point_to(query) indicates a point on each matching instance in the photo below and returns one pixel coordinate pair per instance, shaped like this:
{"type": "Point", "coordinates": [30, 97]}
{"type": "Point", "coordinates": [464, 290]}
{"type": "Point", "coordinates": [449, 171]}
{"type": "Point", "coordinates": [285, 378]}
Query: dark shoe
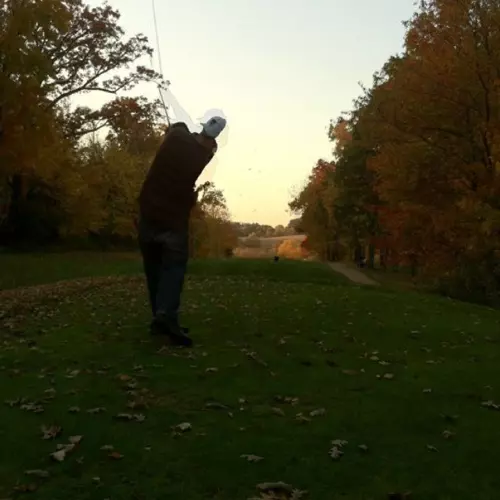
{"type": "Point", "coordinates": [176, 334]}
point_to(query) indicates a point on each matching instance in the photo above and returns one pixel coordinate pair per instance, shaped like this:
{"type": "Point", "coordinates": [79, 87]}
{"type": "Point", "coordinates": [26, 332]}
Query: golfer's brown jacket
{"type": "Point", "coordinates": [168, 193]}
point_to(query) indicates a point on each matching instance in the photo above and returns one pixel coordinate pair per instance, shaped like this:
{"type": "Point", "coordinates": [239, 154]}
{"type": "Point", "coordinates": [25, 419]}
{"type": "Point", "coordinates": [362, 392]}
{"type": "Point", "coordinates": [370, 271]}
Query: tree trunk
{"type": "Point", "coordinates": [383, 258]}
{"type": "Point", "coordinates": [18, 192]}
{"type": "Point", "coordinates": [371, 256]}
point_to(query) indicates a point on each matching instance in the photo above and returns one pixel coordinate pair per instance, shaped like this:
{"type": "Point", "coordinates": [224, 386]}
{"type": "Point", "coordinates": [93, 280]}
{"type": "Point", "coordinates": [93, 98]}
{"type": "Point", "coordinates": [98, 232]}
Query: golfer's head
{"type": "Point", "coordinates": [213, 127]}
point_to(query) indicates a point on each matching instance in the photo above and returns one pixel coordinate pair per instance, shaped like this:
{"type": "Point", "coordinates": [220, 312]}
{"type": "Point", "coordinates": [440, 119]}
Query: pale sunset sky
{"type": "Point", "coordinates": [280, 70]}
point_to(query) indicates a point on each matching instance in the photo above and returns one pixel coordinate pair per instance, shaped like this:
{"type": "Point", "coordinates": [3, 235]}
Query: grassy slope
{"type": "Point", "coordinates": [315, 336]}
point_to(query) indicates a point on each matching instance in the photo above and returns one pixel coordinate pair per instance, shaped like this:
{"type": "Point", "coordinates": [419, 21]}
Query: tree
{"type": "Point", "coordinates": [49, 52]}
{"type": "Point", "coordinates": [315, 204]}
{"type": "Point", "coordinates": [212, 234]}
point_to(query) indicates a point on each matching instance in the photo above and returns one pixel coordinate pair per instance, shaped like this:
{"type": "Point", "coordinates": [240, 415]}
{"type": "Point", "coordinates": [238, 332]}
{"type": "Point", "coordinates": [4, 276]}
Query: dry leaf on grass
{"type": "Point", "coordinates": [279, 491]}
{"type": "Point", "coordinates": [430, 447]}
{"type": "Point", "coordinates": [252, 458]}
{"type": "Point", "coordinates": [181, 428]}
{"type": "Point", "coordinates": [115, 455]}
{"type": "Point", "coordinates": [33, 407]}
{"type": "Point", "coordinates": [138, 417]}
{"type": "Point", "coordinates": [95, 411]}
{"type": "Point", "coordinates": [51, 432]}
{"type": "Point", "coordinates": [389, 376]}
{"type": "Point", "coordinates": [302, 419]}
{"type": "Point", "coordinates": [26, 488]}
{"type": "Point", "coordinates": [363, 448]}
{"type": "Point", "coordinates": [286, 400]}
{"type": "Point", "coordinates": [349, 372]}
{"type": "Point", "coordinates": [107, 447]}
{"type": "Point", "coordinates": [318, 413]}
{"type": "Point", "coordinates": [278, 411]}
{"type": "Point", "coordinates": [75, 439]}
{"type": "Point", "coordinates": [38, 473]}
{"type": "Point", "coordinates": [491, 405]}
{"type": "Point", "coordinates": [336, 449]}
{"type": "Point", "coordinates": [74, 409]}
{"type": "Point", "coordinates": [60, 455]}
{"type": "Point", "coordinates": [212, 370]}
{"type": "Point", "coordinates": [448, 434]}
{"type": "Point", "coordinates": [213, 405]}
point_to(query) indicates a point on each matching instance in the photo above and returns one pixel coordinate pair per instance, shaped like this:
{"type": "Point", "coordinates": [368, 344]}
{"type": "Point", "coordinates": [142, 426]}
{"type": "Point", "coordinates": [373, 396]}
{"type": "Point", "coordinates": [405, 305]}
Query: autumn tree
{"type": "Point", "coordinates": [212, 233]}
{"type": "Point", "coordinates": [315, 204]}
{"type": "Point", "coordinates": [50, 52]}
{"type": "Point", "coordinates": [436, 121]}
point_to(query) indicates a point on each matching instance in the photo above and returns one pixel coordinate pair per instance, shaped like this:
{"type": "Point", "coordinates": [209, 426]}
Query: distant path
{"type": "Point", "coordinates": [352, 274]}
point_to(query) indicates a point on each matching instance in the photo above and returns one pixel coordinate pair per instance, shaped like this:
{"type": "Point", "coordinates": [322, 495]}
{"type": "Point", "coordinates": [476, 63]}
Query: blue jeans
{"type": "Point", "coordinates": [165, 255]}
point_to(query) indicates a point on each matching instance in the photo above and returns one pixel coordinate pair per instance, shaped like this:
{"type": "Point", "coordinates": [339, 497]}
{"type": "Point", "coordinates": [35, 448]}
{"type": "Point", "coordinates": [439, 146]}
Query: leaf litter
{"type": "Point", "coordinates": [51, 432]}
{"type": "Point", "coordinates": [252, 458]}
{"type": "Point", "coordinates": [336, 452]}
{"type": "Point", "coordinates": [278, 491]}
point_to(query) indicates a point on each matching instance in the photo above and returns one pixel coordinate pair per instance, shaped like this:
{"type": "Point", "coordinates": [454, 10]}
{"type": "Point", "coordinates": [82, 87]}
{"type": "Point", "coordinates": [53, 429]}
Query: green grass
{"type": "Point", "coordinates": [312, 337]}
{"type": "Point", "coordinates": [20, 270]}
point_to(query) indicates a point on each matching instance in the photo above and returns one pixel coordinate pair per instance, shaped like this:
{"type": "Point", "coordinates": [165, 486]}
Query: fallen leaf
{"type": "Point", "coordinates": [124, 378]}
{"type": "Point", "coordinates": [491, 405]}
{"type": "Point", "coordinates": [252, 458]}
{"type": "Point", "coordinates": [184, 427]}
{"type": "Point", "coordinates": [59, 455]}
{"type": "Point", "coordinates": [26, 488]}
{"type": "Point", "coordinates": [211, 370]}
{"type": "Point", "coordinates": [317, 413]}
{"type": "Point", "coordinates": [448, 434]}
{"type": "Point", "coordinates": [94, 411]}
{"type": "Point", "coordinates": [430, 447]}
{"type": "Point", "coordinates": [389, 376]}
{"type": "Point", "coordinates": [74, 409]}
{"type": "Point", "coordinates": [340, 443]}
{"type": "Point", "coordinates": [115, 455]}
{"type": "Point", "coordinates": [363, 447]}
{"type": "Point", "coordinates": [35, 408]}
{"type": "Point", "coordinates": [213, 405]}
{"type": "Point", "coordinates": [38, 473]}
{"type": "Point", "coordinates": [107, 447]}
{"type": "Point", "coordinates": [335, 453]}
{"type": "Point", "coordinates": [129, 417]}
{"type": "Point", "coordinates": [13, 402]}
{"type": "Point", "coordinates": [278, 411]}
{"type": "Point", "coordinates": [302, 419]}
{"type": "Point", "coordinates": [279, 491]}
{"type": "Point", "coordinates": [51, 432]}
{"type": "Point", "coordinates": [75, 439]}
{"type": "Point", "coordinates": [349, 372]}
{"type": "Point", "coordinates": [427, 391]}
{"type": "Point", "coordinates": [336, 450]}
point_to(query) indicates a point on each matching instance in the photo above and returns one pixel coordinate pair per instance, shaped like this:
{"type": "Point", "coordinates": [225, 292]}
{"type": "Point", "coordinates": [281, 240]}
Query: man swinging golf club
{"type": "Point", "coordinates": [165, 202]}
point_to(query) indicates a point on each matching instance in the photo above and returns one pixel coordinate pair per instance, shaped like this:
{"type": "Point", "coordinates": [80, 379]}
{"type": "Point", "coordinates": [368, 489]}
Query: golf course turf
{"type": "Point", "coordinates": [289, 358]}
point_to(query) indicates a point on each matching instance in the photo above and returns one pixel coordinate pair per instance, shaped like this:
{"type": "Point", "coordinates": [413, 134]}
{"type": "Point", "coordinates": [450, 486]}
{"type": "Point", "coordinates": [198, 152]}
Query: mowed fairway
{"type": "Point", "coordinates": [289, 358]}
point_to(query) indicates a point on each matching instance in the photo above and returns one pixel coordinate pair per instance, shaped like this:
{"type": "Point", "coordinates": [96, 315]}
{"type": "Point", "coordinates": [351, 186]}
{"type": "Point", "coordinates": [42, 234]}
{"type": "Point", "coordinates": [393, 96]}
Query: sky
{"type": "Point", "coordinates": [279, 70]}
